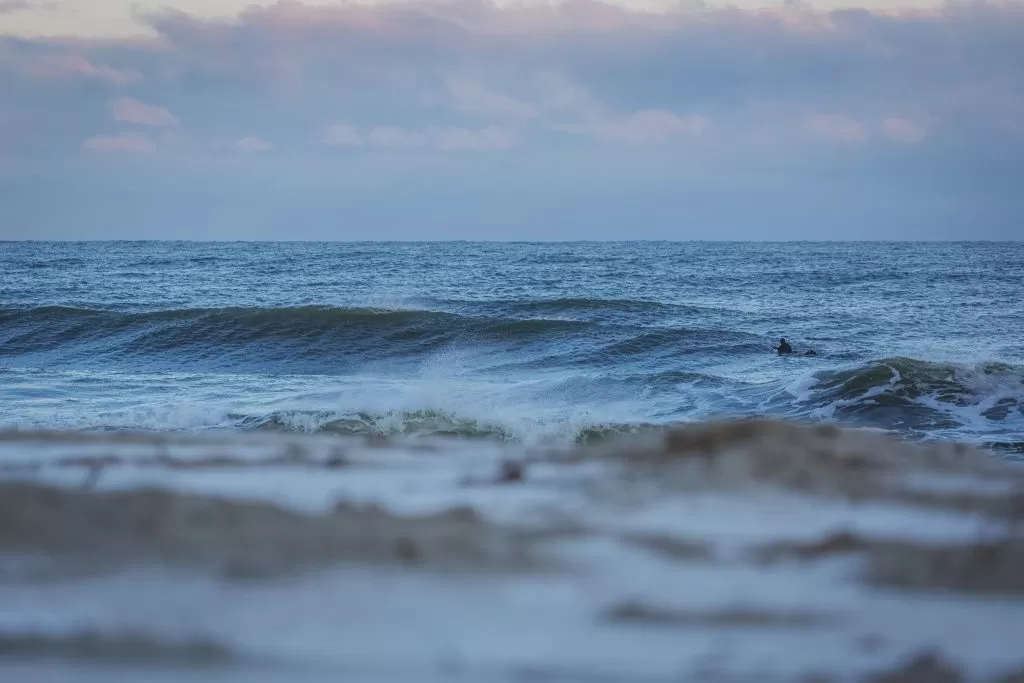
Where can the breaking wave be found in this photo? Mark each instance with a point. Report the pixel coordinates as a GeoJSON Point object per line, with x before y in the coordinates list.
{"type": "Point", "coordinates": [911, 395]}
{"type": "Point", "coordinates": [606, 366]}
{"type": "Point", "coordinates": [426, 423]}
{"type": "Point", "coordinates": [435, 423]}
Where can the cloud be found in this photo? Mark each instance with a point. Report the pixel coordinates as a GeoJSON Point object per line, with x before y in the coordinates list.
{"type": "Point", "coordinates": [342, 134]}
{"type": "Point", "coordinates": [72, 66]}
{"type": "Point", "coordinates": [643, 127]}
{"type": "Point", "coordinates": [579, 93]}
{"type": "Point", "coordinates": [904, 130]}
{"type": "Point", "coordinates": [580, 67]}
{"type": "Point", "coordinates": [128, 110]}
{"type": "Point", "coordinates": [253, 144]}
{"type": "Point", "coordinates": [846, 129]}
{"type": "Point", "coordinates": [461, 139]}
{"type": "Point", "coordinates": [127, 142]}
{"type": "Point", "coordinates": [393, 137]}
{"type": "Point", "coordinates": [474, 97]}
{"type": "Point", "coordinates": [837, 127]}
{"type": "Point", "coordinates": [439, 138]}
{"type": "Point", "coordinates": [381, 137]}
{"type": "Point", "coordinates": [12, 6]}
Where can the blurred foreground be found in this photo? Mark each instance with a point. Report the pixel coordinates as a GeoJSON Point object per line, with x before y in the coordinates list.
{"type": "Point", "coordinates": [745, 551]}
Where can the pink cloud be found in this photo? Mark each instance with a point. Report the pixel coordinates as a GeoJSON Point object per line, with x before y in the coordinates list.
{"type": "Point", "coordinates": [71, 66]}
{"type": "Point", "coordinates": [128, 110]}
{"type": "Point", "coordinates": [449, 71]}
{"type": "Point", "coordinates": [253, 144]}
{"type": "Point", "coordinates": [342, 134]}
{"type": "Point", "coordinates": [472, 96]}
{"type": "Point", "coordinates": [837, 127]}
{"type": "Point", "coordinates": [391, 137]}
{"type": "Point", "coordinates": [558, 94]}
{"type": "Point", "coordinates": [439, 21]}
{"type": "Point", "coordinates": [643, 127]}
{"type": "Point", "coordinates": [12, 6]}
{"type": "Point", "coordinates": [460, 139]}
{"type": "Point", "coordinates": [446, 139]}
{"type": "Point", "coordinates": [381, 137]}
{"type": "Point", "coordinates": [904, 130]}
{"type": "Point", "coordinates": [127, 142]}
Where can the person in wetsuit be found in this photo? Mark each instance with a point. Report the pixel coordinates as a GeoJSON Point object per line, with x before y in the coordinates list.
{"type": "Point", "coordinates": [784, 347]}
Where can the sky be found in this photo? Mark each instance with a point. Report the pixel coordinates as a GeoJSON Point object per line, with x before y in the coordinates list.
{"type": "Point", "coordinates": [466, 119]}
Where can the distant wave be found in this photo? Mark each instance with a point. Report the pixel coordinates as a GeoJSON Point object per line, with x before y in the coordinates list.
{"type": "Point", "coordinates": [594, 310]}
{"type": "Point", "coordinates": [309, 332]}
{"type": "Point", "coordinates": [324, 339]}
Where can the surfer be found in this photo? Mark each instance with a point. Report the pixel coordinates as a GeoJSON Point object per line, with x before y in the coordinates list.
{"type": "Point", "coordinates": [785, 349]}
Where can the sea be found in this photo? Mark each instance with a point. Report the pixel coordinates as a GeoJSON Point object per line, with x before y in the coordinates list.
{"type": "Point", "coordinates": [522, 342]}
{"type": "Point", "coordinates": [511, 462]}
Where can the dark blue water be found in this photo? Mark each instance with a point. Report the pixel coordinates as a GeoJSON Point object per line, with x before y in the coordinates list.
{"type": "Point", "coordinates": [512, 341]}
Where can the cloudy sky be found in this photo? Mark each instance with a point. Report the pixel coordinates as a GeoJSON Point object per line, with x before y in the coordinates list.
{"type": "Point", "coordinates": [465, 119]}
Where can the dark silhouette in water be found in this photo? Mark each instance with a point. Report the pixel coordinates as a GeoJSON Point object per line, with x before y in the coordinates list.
{"type": "Point", "coordinates": [785, 349]}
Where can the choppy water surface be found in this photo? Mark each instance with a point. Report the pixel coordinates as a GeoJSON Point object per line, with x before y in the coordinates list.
{"type": "Point", "coordinates": [512, 341]}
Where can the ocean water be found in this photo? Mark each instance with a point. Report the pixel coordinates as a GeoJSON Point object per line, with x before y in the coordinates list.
{"type": "Point", "coordinates": [520, 342]}
{"type": "Point", "coordinates": [495, 463]}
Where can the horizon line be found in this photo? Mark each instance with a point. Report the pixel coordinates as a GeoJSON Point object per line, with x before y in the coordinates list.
{"type": "Point", "coordinates": [508, 241]}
